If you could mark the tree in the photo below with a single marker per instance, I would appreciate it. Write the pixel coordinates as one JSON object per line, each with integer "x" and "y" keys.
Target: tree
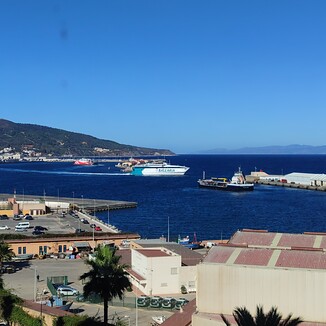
{"x": 106, "y": 277}
{"x": 6, "y": 253}
{"x": 273, "y": 318}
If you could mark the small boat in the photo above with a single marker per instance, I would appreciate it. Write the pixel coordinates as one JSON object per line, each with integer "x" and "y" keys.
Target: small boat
{"x": 159, "y": 169}
{"x": 187, "y": 243}
{"x": 237, "y": 183}
{"x": 84, "y": 161}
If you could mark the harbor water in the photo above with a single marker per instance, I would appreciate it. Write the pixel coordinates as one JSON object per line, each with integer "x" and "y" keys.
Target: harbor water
{"x": 177, "y": 204}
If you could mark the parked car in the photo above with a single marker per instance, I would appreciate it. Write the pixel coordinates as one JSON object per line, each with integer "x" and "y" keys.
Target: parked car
{"x": 97, "y": 228}
{"x": 79, "y": 231}
{"x": 168, "y": 302}
{"x": 17, "y": 217}
{"x": 37, "y": 232}
{"x": 156, "y": 302}
{"x": 41, "y": 228}
{"x": 180, "y": 303}
{"x": 4, "y": 227}
{"x": 83, "y": 220}
{"x": 92, "y": 225}
{"x": 143, "y": 301}
{"x": 3, "y": 217}
{"x": 28, "y": 217}
{"x": 67, "y": 290}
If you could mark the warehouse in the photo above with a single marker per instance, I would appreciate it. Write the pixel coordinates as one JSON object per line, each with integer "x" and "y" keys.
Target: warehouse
{"x": 262, "y": 268}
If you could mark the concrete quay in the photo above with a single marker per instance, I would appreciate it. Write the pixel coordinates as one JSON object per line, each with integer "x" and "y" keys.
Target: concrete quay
{"x": 290, "y": 185}
{"x": 82, "y": 204}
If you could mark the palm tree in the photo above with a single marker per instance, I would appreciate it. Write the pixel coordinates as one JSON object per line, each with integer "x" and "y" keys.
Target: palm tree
{"x": 106, "y": 277}
{"x": 6, "y": 253}
{"x": 273, "y": 318}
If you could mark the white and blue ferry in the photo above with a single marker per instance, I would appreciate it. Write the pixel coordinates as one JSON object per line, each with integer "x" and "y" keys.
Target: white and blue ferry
{"x": 158, "y": 169}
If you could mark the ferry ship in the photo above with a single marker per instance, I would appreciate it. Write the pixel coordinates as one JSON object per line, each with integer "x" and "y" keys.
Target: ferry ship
{"x": 159, "y": 169}
{"x": 84, "y": 161}
{"x": 237, "y": 183}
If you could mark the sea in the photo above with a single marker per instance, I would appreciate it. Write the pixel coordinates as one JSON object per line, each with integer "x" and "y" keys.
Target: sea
{"x": 176, "y": 206}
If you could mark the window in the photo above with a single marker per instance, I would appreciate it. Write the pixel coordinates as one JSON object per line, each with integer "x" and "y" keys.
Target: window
{"x": 40, "y": 250}
{"x": 174, "y": 270}
{"x": 64, "y": 248}
{"x": 60, "y": 248}
{"x": 24, "y": 250}
{"x": 19, "y": 250}
{"x": 45, "y": 249}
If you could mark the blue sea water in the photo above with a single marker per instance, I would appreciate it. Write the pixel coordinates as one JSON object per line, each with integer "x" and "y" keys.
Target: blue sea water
{"x": 178, "y": 201}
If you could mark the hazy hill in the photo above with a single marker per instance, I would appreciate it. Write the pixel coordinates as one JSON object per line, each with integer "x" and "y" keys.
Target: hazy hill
{"x": 58, "y": 142}
{"x": 290, "y": 149}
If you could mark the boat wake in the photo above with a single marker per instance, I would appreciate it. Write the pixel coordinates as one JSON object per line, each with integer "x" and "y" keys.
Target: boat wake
{"x": 62, "y": 172}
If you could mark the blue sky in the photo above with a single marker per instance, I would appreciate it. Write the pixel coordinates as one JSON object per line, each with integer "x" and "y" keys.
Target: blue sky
{"x": 178, "y": 74}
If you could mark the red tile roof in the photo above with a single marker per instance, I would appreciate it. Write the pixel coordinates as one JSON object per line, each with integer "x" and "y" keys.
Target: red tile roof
{"x": 182, "y": 317}
{"x": 135, "y": 275}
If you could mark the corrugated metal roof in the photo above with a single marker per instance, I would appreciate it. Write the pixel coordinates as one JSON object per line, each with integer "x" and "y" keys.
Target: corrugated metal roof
{"x": 217, "y": 255}
{"x": 253, "y": 238}
{"x": 256, "y": 257}
{"x": 302, "y": 259}
{"x": 297, "y": 240}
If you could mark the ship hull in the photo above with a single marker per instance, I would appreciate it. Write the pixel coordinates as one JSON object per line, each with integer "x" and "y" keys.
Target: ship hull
{"x": 229, "y": 187}
{"x": 159, "y": 170}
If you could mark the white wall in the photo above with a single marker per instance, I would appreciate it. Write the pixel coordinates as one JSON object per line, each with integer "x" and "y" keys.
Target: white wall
{"x": 221, "y": 288}
{"x": 188, "y": 277}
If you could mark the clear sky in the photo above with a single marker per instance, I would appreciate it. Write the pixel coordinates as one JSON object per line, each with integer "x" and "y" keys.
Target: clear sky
{"x": 183, "y": 75}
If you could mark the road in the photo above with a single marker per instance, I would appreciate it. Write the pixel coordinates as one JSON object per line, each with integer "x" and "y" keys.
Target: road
{"x": 25, "y": 285}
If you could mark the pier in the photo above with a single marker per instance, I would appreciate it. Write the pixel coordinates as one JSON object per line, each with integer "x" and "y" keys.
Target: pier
{"x": 290, "y": 185}
{"x": 82, "y": 204}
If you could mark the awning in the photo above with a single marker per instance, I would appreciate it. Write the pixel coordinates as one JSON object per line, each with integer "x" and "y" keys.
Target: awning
{"x": 82, "y": 244}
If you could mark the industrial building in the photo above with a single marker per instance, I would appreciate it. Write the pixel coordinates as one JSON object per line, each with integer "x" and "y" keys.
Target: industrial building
{"x": 287, "y": 271}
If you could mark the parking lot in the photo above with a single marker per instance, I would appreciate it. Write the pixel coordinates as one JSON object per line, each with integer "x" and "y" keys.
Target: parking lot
{"x": 25, "y": 285}
{"x": 55, "y": 223}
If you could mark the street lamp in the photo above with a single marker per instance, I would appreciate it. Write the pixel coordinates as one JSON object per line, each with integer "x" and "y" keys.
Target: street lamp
{"x": 73, "y": 200}
{"x": 108, "y": 215}
{"x": 82, "y": 208}
{"x": 35, "y": 278}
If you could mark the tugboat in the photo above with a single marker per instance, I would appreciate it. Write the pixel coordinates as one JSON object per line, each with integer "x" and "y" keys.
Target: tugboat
{"x": 237, "y": 183}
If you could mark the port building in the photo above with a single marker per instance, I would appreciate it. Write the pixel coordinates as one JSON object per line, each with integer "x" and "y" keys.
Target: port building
{"x": 264, "y": 268}
{"x": 159, "y": 267}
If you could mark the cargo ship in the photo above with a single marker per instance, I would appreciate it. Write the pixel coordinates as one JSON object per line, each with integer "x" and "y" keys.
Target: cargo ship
{"x": 237, "y": 183}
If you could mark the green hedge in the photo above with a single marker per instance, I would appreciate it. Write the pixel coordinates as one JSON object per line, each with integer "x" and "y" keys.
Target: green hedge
{"x": 21, "y": 317}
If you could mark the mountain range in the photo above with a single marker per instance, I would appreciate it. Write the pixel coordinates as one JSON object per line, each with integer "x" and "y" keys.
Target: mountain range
{"x": 49, "y": 141}
{"x": 289, "y": 149}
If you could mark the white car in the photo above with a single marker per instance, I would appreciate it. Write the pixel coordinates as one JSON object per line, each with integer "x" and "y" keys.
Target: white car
{"x": 67, "y": 290}
{"x": 4, "y": 227}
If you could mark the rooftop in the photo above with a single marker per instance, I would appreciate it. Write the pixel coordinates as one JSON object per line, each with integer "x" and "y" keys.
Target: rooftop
{"x": 272, "y": 250}
{"x": 153, "y": 253}
{"x": 188, "y": 257}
